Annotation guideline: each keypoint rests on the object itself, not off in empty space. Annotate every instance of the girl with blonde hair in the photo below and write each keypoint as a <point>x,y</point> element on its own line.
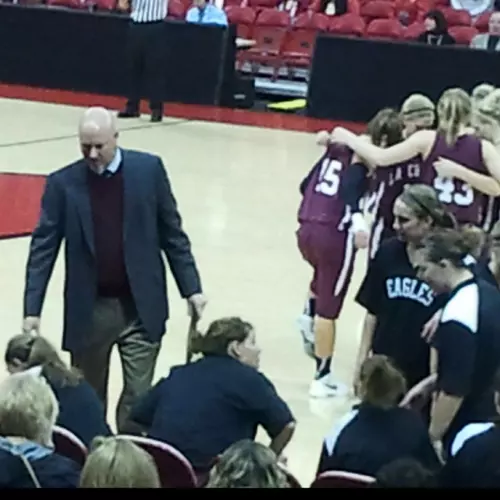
<point>418,113</point>
<point>81,411</point>
<point>460,188</point>
<point>115,462</point>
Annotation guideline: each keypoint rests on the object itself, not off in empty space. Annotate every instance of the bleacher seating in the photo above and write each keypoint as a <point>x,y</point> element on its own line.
<point>285,31</point>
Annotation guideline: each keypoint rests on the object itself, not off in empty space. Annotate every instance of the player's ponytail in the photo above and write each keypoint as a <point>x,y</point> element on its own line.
<point>454,111</point>
<point>381,384</point>
<point>219,336</point>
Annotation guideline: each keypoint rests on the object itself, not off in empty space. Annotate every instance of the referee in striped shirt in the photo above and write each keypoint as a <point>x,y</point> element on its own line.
<point>146,56</point>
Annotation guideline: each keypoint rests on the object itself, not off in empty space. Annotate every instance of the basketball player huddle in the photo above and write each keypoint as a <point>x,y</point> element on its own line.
<point>428,176</point>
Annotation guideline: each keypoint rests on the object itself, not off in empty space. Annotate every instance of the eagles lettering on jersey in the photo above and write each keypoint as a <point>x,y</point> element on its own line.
<point>409,288</point>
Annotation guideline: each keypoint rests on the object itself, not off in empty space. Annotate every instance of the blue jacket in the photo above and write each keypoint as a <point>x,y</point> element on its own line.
<point>151,224</point>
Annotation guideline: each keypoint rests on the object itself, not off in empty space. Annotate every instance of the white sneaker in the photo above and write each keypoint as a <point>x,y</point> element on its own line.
<point>306,328</point>
<point>327,388</point>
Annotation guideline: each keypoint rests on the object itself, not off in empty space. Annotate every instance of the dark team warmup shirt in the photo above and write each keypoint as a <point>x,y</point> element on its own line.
<point>368,438</point>
<point>468,345</point>
<point>466,204</point>
<point>402,304</point>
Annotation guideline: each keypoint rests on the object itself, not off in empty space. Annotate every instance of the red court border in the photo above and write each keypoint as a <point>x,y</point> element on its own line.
<point>270,120</point>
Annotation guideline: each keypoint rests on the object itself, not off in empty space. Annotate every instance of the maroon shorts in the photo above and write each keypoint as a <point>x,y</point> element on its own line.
<point>331,253</point>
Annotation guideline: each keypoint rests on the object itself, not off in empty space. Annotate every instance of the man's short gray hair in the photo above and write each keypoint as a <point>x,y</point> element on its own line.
<point>28,408</point>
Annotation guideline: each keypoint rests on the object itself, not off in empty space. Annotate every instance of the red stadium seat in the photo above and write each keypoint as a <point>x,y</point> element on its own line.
<point>242,17</point>
<point>173,468</point>
<point>311,21</point>
<point>385,29</point>
<point>69,4</point>
<point>338,479</point>
<point>441,3</point>
<point>176,9</point>
<point>347,25</point>
<point>269,32</point>
<point>353,7</point>
<point>413,31</point>
<point>482,21</point>
<point>105,5</point>
<point>298,47</point>
<point>456,17</point>
<point>263,4</point>
<point>463,34</point>
<point>68,445</point>
<point>377,9</point>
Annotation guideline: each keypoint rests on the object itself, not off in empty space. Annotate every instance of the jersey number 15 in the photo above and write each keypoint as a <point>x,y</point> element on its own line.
<point>329,177</point>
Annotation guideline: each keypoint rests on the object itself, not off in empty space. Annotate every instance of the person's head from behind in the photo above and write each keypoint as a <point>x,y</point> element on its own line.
<point>115,462</point>
<point>386,128</point>
<point>442,256</point>
<point>494,24</point>
<point>405,473</point>
<point>229,337</point>
<point>98,135</point>
<point>418,113</point>
<point>417,210</point>
<point>247,464</point>
<point>487,117</point>
<point>28,408</point>
<point>454,111</point>
<point>435,22</point>
<point>26,351</point>
<point>380,384</point>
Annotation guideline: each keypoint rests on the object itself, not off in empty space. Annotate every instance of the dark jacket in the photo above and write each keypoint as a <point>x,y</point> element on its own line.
<point>151,224</point>
<point>51,470</point>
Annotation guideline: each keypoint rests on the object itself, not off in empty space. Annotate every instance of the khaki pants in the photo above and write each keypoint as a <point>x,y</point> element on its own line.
<point>115,322</point>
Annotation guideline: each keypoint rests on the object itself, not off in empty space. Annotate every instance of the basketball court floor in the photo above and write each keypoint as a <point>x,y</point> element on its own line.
<point>237,189</point>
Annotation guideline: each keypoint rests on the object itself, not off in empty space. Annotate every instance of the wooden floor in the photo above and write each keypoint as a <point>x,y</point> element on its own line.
<point>237,188</point>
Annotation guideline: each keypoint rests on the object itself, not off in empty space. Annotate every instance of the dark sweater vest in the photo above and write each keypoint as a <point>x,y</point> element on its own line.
<point>106,201</point>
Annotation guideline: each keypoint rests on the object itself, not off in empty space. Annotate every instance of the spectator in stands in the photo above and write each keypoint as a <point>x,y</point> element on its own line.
<point>205,12</point>
<point>475,453</point>
<point>115,462</point>
<point>474,7</point>
<point>405,473</point>
<point>491,40</point>
<point>378,431</point>
<point>80,409</point>
<point>330,7</point>
<point>204,407</point>
<point>293,7</point>
<point>28,412</point>
<point>436,30</point>
<point>247,464</point>
<point>418,113</point>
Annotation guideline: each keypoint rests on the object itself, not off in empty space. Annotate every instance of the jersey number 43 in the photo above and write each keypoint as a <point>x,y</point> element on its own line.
<point>329,177</point>
<point>448,192</point>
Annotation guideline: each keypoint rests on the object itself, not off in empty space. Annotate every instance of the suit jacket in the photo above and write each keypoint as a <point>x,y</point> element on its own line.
<point>151,224</point>
<point>481,42</point>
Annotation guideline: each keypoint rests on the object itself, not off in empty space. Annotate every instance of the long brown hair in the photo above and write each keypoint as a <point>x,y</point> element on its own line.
<point>454,109</point>
<point>38,351</point>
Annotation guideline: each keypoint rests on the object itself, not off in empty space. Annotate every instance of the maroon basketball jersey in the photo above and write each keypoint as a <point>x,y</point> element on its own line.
<point>322,201</point>
<point>387,184</point>
<point>464,202</point>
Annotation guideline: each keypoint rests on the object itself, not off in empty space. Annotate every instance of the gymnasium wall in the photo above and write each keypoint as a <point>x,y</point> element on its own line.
<point>352,79</point>
<point>80,51</point>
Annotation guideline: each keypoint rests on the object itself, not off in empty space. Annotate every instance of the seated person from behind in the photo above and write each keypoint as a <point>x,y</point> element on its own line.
<point>204,407</point>
<point>80,410</point>
<point>247,464</point>
<point>377,432</point>
<point>204,12</point>
<point>115,462</point>
<point>436,30</point>
<point>28,411</point>
<point>405,473</point>
<point>329,7</point>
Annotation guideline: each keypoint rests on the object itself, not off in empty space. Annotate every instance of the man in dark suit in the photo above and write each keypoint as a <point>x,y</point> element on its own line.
<point>116,212</point>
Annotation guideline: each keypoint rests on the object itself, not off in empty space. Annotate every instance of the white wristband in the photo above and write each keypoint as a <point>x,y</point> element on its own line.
<point>358,223</point>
